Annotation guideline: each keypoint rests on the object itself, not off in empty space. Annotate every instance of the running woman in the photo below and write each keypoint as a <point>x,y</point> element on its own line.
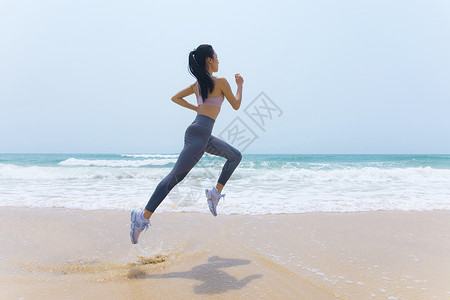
<point>210,92</point>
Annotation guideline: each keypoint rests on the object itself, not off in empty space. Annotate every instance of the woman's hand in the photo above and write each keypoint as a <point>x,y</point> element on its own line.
<point>239,79</point>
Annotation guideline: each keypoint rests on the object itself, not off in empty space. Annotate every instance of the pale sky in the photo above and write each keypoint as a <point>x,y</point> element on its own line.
<point>349,76</point>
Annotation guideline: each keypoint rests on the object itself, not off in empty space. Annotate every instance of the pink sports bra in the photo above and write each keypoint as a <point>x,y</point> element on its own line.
<point>211,101</point>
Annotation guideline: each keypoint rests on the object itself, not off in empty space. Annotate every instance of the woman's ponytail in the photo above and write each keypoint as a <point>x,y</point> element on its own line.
<point>197,67</point>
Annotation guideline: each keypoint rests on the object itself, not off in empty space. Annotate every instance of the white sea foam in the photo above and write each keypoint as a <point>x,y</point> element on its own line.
<point>150,155</point>
<point>115,163</point>
<point>106,184</point>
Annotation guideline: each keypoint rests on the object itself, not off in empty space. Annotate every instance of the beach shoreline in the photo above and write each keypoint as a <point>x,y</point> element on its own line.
<point>54,253</point>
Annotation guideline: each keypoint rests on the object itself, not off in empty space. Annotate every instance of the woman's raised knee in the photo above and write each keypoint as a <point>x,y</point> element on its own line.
<point>237,156</point>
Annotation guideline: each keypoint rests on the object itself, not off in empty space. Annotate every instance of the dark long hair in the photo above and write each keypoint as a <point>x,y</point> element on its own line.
<point>197,67</point>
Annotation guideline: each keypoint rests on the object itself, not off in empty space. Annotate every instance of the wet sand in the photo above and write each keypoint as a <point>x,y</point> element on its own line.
<point>57,253</point>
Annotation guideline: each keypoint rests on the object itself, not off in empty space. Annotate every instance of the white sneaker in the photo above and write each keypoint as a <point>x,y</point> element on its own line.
<point>213,196</point>
<point>138,224</point>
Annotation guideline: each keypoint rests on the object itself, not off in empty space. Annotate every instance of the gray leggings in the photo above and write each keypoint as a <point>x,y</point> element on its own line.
<point>197,140</point>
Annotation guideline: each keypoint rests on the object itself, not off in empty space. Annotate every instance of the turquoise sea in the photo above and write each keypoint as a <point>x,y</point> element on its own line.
<point>262,183</point>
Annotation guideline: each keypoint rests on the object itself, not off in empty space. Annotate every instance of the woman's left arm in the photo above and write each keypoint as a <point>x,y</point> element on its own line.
<point>178,98</point>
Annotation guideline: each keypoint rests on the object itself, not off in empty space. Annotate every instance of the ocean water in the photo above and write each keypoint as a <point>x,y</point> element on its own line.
<point>262,183</point>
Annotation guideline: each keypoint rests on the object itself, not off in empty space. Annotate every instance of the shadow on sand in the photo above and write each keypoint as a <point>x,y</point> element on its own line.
<point>213,279</point>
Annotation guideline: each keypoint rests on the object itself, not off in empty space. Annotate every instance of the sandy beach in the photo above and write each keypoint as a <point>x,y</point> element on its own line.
<point>56,253</point>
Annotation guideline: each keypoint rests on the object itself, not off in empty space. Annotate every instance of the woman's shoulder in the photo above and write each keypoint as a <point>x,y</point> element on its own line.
<point>220,80</point>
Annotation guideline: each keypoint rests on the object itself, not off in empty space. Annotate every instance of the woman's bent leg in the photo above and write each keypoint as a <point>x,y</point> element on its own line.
<point>219,147</point>
<point>193,150</point>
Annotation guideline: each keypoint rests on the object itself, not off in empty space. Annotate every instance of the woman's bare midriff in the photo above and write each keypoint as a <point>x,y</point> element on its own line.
<point>210,111</point>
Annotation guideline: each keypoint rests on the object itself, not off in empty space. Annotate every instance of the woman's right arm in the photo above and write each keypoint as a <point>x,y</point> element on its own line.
<point>235,101</point>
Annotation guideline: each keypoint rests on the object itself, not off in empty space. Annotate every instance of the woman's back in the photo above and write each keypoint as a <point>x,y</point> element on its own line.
<point>214,98</point>
<point>211,100</point>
